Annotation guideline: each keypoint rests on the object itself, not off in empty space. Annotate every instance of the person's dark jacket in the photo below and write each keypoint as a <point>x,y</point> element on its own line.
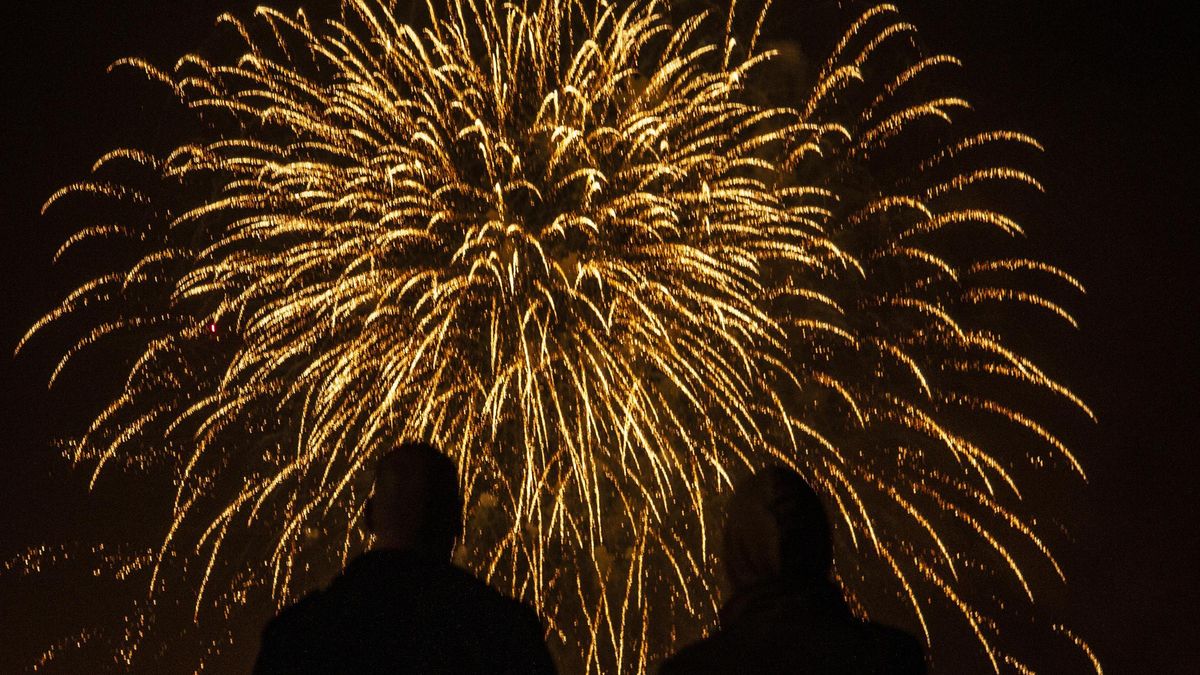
<point>399,612</point>
<point>777,627</point>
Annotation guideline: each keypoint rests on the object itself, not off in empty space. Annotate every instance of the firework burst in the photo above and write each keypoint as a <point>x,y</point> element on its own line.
<point>574,243</point>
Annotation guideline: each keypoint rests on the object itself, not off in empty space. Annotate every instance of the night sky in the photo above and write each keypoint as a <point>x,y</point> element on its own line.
<point>1109,90</point>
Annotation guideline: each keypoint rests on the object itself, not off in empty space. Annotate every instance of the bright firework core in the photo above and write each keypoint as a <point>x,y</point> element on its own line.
<point>582,247</point>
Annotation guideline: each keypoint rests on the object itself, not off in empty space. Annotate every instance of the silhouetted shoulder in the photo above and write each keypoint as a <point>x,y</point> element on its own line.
<point>698,657</point>
<point>520,645</point>
<point>528,639</point>
<point>288,644</point>
<point>391,612</point>
<point>902,653</point>
<point>850,648</point>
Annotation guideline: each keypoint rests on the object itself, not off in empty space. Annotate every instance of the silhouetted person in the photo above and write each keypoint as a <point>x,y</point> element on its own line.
<point>784,614</point>
<point>403,607</point>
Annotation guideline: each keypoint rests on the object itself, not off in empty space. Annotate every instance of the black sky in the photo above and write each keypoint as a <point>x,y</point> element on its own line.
<point>1108,88</point>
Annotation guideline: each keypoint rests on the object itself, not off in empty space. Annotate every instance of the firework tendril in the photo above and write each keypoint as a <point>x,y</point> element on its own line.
<point>582,247</point>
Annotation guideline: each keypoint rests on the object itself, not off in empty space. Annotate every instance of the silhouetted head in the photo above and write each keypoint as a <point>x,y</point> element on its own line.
<point>776,529</point>
<point>416,504</point>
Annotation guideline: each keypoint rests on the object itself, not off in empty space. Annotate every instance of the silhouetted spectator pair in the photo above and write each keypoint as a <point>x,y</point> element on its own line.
<point>404,608</point>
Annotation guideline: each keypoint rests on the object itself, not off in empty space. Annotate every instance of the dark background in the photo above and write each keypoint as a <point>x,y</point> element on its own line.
<point>1109,88</point>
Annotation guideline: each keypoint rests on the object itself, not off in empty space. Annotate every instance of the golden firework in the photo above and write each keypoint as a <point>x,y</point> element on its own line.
<point>583,247</point>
